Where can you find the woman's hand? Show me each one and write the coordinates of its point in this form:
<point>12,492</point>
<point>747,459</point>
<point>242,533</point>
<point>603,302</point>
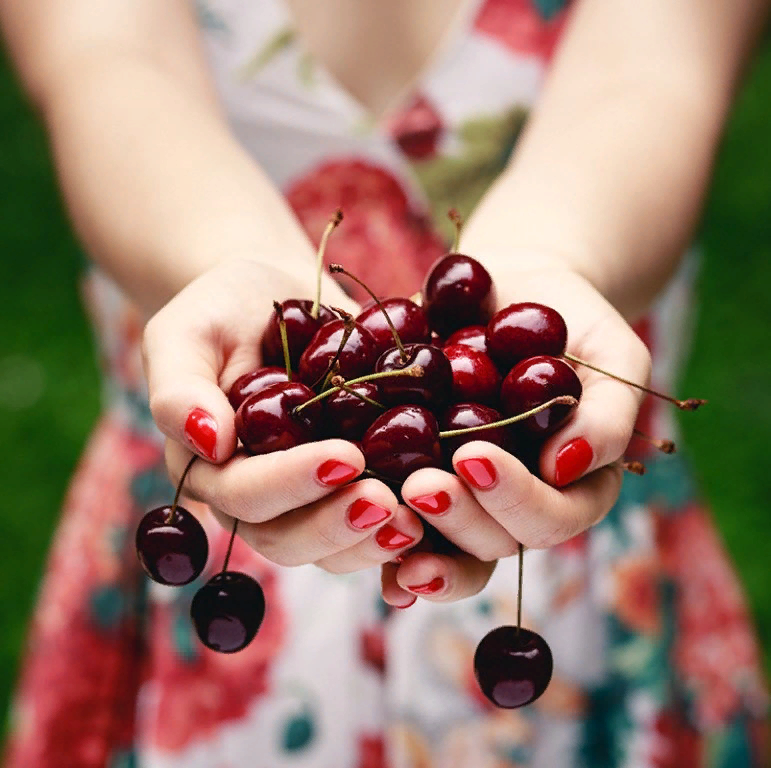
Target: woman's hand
<point>494,502</point>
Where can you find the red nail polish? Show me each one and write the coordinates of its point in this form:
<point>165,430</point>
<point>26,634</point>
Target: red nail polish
<point>333,472</point>
<point>478,472</point>
<point>432,503</point>
<point>363,514</point>
<point>201,432</point>
<point>429,588</point>
<point>403,607</point>
<point>389,538</point>
<point>573,459</point>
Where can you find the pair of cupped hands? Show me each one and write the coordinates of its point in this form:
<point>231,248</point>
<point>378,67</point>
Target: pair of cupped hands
<point>304,505</point>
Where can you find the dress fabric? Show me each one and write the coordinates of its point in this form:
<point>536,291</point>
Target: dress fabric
<point>656,661</point>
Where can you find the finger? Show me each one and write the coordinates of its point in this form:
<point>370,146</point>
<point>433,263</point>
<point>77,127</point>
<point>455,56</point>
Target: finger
<point>259,488</point>
<point>401,532</point>
<point>532,511</point>
<point>326,527</point>
<point>445,501</point>
<point>443,578</point>
<point>393,594</point>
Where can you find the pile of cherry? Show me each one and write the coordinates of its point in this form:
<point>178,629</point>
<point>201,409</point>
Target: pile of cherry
<point>408,382</point>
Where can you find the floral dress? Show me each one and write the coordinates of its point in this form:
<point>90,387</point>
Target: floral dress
<point>656,663</point>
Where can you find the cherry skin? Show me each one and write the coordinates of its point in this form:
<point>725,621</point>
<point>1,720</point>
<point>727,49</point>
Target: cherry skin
<point>301,327</point>
<point>255,381</point>
<point>432,388</point>
<point>533,382</point>
<point>458,291</point>
<point>356,359</point>
<point>513,666</point>
<point>172,552</point>
<point>401,441</point>
<point>524,330</point>
<point>348,416</point>
<point>227,611</point>
<point>472,335</point>
<point>465,415</point>
<point>267,422</point>
<point>474,375</point>
<point>408,318</point>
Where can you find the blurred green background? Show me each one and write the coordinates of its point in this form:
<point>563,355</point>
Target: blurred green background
<point>49,389</point>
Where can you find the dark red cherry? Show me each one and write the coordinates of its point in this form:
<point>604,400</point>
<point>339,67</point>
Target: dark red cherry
<point>458,292</point>
<point>473,336</point>
<point>401,441</point>
<point>533,382</point>
<point>348,416</point>
<point>301,327</point>
<point>227,611</point>
<point>433,388</point>
<point>474,375</point>
<point>513,666</point>
<point>357,358</point>
<point>267,422</point>
<point>255,381</point>
<point>465,415</point>
<point>408,319</point>
<point>172,551</point>
<point>524,330</point>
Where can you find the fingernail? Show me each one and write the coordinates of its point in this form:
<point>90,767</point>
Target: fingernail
<point>363,514</point>
<point>432,503</point>
<point>573,459</point>
<point>333,472</point>
<point>389,538</point>
<point>429,588</point>
<point>403,607</point>
<point>201,432</point>
<point>478,472</point>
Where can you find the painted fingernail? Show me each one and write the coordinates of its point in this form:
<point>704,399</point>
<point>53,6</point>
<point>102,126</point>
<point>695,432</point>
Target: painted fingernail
<point>201,433</point>
<point>573,459</point>
<point>403,607</point>
<point>333,472</point>
<point>478,472</point>
<point>363,514</point>
<point>389,538</point>
<point>429,588</point>
<point>432,503</point>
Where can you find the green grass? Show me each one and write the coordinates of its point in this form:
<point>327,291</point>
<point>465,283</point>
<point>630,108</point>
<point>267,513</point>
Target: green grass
<point>46,349</point>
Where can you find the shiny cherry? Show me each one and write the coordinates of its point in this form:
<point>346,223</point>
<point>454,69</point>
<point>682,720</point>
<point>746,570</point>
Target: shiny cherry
<point>458,291</point>
<point>524,330</point>
<point>401,441</point>
<point>356,358</point>
<point>474,375</point>
<point>172,548</point>
<point>227,611</point>
<point>301,327</point>
<point>432,388</point>
<point>267,421</point>
<point>472,335</point>
<point>533,382</point>
<point>348,416</point>
<point>408,318</point>
<point>466,415</point>
<point>255,381</point>
<point>513,666</point>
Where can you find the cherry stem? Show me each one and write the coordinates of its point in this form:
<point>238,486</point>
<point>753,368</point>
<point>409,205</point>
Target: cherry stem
<point>230,545</point>
<point>561,400</point>
<point>339,381</point>
<point>348,326</point>
<point>277,308</point>
<point>173,509</point>
<point>635,467</point>
<point>456,219</point>
<point>691,404</point>
<point>333,222</point>
<point>521,550</point>
<point>662,444</point>
<point>338,269</point>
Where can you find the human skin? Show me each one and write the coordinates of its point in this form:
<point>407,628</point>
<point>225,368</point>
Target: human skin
<point>590,217</point>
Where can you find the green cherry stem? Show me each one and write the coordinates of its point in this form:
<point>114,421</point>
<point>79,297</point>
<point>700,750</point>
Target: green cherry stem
<point>230,545</point>
<point>339,381</point>
<point>333,222</point>
<point>456,219</point>
<point>284,340</point>
<point>174,504</point>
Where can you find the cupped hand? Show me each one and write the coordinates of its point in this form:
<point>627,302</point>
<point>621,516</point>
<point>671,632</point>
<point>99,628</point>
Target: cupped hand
<point>494,502</point>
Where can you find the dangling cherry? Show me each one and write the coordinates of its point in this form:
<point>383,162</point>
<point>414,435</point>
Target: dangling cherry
<point>255,381</point>
<point>474,375</point>
<point>171,544</point>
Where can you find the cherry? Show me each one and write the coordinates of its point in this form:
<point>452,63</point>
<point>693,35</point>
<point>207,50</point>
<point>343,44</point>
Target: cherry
<point>356,358</point>
<point>267,421</point>
<point>408,319</point>
<point>524,330</point>
<point>347,415</point>
<point>535,381</point>
<point>301,327</point>
<point>466,415</point>
<point>171,545</point>
<point>474,375</point>
<point>473,335</point>
<point>513,666</point>
<point>401,441</point>
<point>227,611</point>
<point>255,381</point>
<point>432,388</point>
